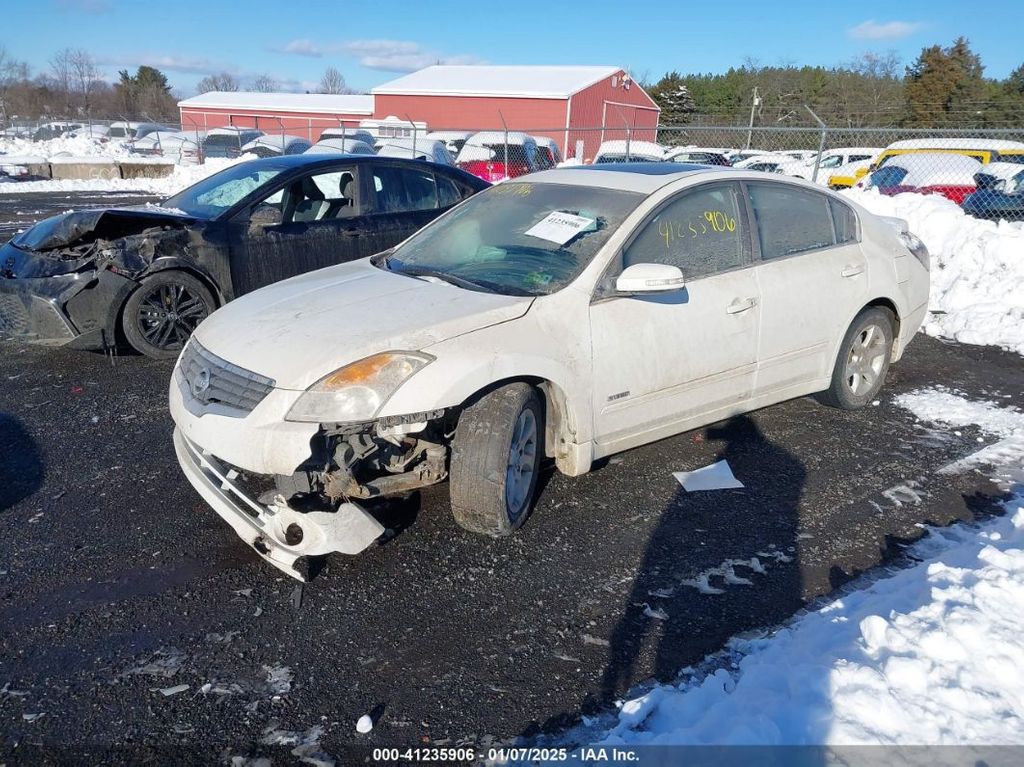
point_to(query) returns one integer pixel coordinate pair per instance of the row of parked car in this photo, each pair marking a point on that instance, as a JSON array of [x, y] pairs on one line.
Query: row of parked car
[[984, 176], [489, 155]]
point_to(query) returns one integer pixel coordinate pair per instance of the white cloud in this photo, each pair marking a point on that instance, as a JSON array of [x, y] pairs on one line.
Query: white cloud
[[386, 55], [885, 30], [175, 63]]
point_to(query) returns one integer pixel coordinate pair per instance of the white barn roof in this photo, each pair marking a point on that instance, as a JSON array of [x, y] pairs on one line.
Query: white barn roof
[[323, 103], [554, 82]]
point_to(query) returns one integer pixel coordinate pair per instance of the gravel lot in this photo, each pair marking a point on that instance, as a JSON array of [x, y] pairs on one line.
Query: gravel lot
[[116, 581]]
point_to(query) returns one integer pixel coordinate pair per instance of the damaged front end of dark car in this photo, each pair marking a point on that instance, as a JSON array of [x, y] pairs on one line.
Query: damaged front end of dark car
[[65, 280]]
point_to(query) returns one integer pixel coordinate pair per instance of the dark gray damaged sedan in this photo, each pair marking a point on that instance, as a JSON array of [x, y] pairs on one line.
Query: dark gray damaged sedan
[[149, 275]]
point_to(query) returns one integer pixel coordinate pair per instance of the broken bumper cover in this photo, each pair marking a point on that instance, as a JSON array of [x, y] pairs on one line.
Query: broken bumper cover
[[278, 533], [30, 309]]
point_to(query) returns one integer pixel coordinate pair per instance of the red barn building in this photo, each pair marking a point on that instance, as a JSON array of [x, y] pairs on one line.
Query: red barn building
[[577, 106], [296, 114], [570, 104]]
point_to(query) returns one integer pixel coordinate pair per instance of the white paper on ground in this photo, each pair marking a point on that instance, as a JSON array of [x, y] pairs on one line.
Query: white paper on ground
[[717, 476], [559, 227]]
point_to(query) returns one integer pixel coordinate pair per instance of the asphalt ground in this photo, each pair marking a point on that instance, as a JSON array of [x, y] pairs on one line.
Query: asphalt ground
[[117, 582]]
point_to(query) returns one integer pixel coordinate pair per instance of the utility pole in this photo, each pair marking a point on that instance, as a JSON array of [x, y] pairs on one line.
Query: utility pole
[[753, 109]]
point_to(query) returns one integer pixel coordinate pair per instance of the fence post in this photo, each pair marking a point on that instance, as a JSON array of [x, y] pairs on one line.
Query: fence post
[[821, 144], [505, 126]]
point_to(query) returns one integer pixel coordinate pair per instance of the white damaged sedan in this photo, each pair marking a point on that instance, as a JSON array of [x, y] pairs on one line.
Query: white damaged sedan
[[571, 314]]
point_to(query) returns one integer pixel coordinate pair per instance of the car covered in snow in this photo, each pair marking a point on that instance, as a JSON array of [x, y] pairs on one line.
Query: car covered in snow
[[51, 130], [453, 139], [984, 150], [622, 151], [227, 142], [571, 314], [183, 147], [696, 155], [951, 175], [549, 150], [831, 161], [353, 134], [499, 155], [418, 149], [276, 144], [99, 133], [149, 275], [999, 193], [341, 146]]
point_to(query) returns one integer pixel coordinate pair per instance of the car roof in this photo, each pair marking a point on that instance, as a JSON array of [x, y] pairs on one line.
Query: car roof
[[644, 177]]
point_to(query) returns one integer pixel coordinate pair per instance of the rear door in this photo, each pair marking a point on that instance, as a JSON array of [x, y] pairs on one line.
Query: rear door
[[312, 221], [402, 199], [812, 277]]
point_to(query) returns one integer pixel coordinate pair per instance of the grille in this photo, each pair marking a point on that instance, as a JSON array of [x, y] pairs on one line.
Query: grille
[[211, 380], [13, 315]]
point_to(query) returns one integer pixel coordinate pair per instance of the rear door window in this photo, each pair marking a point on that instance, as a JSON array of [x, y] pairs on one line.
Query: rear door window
[[790, 220], [404, 189]]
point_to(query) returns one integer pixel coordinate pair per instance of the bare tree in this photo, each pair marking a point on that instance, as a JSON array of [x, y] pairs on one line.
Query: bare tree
[[224, 81], [265, 84], [333, 82], [61, 74], [85, 77], [11, 73]]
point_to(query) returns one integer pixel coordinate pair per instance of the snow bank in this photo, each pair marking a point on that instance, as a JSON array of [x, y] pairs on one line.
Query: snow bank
[[81, 146], [931, 655], [977, 268], [181, 177]]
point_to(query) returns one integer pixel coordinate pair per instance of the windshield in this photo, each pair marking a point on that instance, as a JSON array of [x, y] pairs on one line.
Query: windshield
[[215, 194], [517, 238]]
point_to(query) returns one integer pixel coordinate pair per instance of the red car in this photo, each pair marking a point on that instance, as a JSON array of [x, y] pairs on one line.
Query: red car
[[951, 175], [497, 155]]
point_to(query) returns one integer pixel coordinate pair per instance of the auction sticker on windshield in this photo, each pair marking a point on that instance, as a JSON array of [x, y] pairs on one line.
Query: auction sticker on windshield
[[559, 227]]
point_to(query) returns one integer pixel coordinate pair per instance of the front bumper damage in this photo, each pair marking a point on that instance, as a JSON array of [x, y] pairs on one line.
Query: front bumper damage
[[277, 532]]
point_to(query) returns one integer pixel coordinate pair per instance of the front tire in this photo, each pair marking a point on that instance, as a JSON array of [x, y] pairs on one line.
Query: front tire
[[863, 360], [163, 312], [495, 460]]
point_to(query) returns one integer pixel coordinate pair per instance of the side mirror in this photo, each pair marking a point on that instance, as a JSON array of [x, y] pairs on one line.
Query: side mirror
[[264, 216], [650, 278]]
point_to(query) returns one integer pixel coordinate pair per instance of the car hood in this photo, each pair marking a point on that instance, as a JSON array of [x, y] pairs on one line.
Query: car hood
[[299, 330], [82, 226]]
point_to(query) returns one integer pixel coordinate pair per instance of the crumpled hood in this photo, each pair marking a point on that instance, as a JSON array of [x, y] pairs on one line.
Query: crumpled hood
[[81, 226], [299, 330]]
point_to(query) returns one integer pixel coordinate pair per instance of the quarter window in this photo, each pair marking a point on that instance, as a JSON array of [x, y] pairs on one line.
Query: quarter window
[[845, 222], [790, 220], [703, 232]]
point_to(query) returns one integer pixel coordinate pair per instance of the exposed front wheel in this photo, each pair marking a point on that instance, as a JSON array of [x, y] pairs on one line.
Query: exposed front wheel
[[160, 316], [495, 460], [863, 361]]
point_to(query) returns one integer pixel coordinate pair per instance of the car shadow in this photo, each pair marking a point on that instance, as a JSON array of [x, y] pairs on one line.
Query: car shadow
[[748, 571], [22, 466]]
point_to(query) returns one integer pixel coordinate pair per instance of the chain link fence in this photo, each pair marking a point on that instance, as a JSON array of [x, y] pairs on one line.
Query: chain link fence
[[953, 162]]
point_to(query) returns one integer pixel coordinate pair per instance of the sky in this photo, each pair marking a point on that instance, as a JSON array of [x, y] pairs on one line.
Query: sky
[[373, 42]]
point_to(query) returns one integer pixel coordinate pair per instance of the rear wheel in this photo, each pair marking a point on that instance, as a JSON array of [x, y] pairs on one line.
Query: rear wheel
[[160, 316], [495, 461], [863, 361]]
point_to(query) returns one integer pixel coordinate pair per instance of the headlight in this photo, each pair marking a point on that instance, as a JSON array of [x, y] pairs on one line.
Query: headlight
[[358, 391]]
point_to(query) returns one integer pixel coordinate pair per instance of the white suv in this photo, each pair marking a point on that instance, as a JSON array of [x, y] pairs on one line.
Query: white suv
[[572, 314]]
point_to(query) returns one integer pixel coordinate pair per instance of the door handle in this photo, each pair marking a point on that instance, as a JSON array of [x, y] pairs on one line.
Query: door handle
[[741, 305], [852, 270]]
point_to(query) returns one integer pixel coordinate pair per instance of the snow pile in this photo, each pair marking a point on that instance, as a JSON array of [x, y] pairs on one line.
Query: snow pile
[[977, 268], [182, 176], [65, 146], [933, 654]]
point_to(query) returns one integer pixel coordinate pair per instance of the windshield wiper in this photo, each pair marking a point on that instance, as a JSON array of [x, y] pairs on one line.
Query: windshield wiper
[[422, 271]]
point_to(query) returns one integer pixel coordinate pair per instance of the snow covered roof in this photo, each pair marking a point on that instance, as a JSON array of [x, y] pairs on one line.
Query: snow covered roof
[[928, 168], [636, 149], [321, 103], [543, 82]]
